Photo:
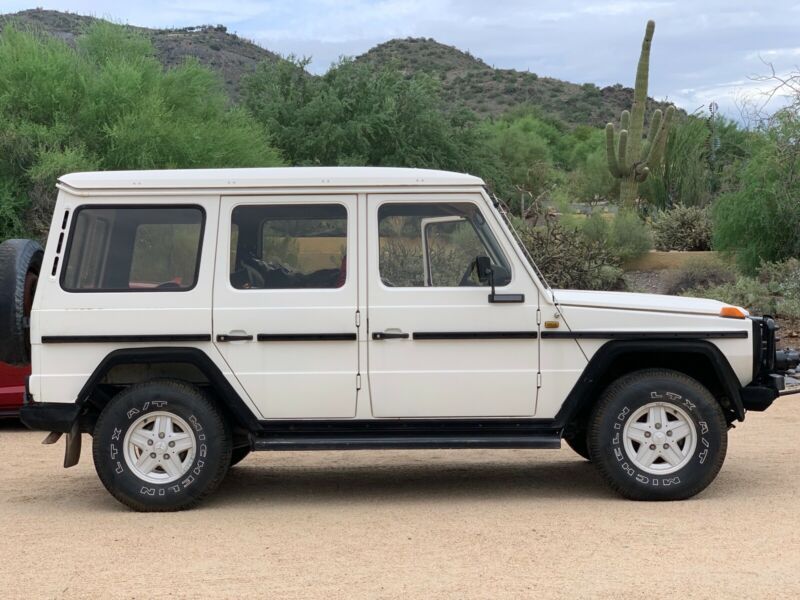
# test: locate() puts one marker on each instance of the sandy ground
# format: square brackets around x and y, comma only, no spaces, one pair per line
[408,524]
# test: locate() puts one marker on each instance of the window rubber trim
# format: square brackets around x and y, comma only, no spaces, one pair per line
[71,238]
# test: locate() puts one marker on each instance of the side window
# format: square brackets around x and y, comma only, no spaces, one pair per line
[289,246]
[435,245]
[134,248]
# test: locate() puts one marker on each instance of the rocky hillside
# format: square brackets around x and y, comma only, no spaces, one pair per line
[469,81]
[228,54]
[466,80]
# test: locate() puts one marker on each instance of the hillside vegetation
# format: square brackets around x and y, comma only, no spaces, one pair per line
[465,81]
[78,93]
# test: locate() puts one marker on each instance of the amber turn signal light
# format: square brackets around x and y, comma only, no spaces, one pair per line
[732,312]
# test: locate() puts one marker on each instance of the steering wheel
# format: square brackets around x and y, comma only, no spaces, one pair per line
[465,278]
[168,285]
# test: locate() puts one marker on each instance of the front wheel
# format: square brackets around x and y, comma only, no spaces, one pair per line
[161,446]
[658,435]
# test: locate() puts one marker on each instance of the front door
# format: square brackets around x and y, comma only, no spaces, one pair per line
[437,346]
[285,301]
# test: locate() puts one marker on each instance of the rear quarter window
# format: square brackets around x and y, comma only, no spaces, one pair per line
[134,249]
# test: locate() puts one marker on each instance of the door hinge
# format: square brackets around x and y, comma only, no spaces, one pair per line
[358,318]
[538,316]
[358,381]
[539,380]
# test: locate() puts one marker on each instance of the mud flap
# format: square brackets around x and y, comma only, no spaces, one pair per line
[72,452]
[52,438]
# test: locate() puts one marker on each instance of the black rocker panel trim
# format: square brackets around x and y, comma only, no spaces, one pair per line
[552,441]
[475,335]
[643,335]
[125,339]
[306,337]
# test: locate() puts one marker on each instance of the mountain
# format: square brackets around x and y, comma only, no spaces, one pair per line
[228,54]
[469,81]
[465,80]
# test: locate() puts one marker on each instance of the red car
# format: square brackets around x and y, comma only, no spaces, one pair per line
[12,387]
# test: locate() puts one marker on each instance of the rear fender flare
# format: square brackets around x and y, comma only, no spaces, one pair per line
[194,356]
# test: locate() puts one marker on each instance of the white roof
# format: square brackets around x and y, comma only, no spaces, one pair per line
[267,177]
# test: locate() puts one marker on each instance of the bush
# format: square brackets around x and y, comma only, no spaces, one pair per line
[698,272]
[775,290]
[682,228]
[758,219]
[626,236]
[569,259]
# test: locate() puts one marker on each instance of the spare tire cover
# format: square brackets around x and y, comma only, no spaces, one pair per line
[20,263]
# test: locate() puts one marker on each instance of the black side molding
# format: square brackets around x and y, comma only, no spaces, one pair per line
[643,335]
[124,339]
[475,335]
[306,337]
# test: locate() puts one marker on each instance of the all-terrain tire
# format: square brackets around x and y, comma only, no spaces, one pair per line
[20,263]
[169,407]
[651,405]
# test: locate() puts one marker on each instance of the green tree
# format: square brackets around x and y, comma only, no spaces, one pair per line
[106,104]
[360,114]
[759,219]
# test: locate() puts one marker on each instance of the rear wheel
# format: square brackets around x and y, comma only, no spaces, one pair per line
[161,446]
[658,435]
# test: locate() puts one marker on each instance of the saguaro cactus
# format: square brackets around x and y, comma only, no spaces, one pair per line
[630,159]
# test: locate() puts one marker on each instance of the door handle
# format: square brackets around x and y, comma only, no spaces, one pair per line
[234,337]
[389,335]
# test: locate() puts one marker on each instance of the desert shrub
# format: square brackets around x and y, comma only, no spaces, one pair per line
[682,228]
[699,272]
[629,236]
[775,290]
[569,259]
[626,236]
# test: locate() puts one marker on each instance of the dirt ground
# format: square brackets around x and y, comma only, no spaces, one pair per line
[408,524]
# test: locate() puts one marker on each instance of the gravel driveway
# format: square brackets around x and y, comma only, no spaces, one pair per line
[400,524]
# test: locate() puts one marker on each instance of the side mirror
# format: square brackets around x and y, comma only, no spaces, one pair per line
[485,270]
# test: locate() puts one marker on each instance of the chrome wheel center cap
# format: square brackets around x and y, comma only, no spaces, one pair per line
[659,437]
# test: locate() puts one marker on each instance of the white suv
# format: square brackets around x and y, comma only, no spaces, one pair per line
[186,318]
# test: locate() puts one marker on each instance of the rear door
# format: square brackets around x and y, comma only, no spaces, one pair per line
[285,302]
[437,346]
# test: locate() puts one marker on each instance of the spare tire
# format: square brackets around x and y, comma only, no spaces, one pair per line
[20,263]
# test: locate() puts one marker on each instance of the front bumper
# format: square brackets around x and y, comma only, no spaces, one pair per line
[758,397]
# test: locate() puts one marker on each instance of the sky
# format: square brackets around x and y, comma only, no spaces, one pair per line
[703,51]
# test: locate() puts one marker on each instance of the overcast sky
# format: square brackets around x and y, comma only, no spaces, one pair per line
[703,50]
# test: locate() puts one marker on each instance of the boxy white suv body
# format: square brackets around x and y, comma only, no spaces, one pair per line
[185,318]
